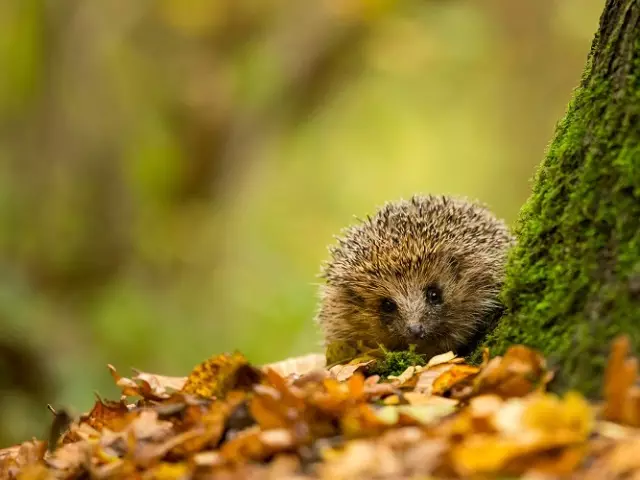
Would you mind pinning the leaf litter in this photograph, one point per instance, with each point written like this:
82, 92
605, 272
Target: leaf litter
303, 418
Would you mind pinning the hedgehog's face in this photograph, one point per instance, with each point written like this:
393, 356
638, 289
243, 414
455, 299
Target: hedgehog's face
436, 304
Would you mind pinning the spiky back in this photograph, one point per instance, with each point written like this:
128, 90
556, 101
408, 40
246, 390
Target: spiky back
401, 234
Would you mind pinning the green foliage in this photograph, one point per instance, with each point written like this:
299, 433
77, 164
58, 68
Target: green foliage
396, 362
573, 281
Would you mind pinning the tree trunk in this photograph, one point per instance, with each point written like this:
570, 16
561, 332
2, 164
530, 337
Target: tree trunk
573, 281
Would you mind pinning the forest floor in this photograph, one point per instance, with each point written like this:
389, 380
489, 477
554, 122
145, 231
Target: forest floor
298, 419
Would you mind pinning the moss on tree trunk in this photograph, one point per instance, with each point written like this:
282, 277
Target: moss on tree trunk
573, 281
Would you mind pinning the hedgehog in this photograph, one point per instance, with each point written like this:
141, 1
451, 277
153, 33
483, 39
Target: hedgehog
422, 274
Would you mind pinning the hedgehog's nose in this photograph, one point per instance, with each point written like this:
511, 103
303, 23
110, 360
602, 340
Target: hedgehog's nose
416, 331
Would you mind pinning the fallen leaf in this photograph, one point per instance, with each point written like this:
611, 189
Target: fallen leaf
160, 385
622, 397
426, 378
427, 413
391, 400
104, 414
208, 459
168, 471
147, 426
444, 420
624, 457
147, 385
254, 444
212, 420
404, 380
344, 372
440, 359
518, 373
221, 374
361, 459
452, 376
416, 398
345, 352
298, 366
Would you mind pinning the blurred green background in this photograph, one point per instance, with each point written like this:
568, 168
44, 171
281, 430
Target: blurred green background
172, 171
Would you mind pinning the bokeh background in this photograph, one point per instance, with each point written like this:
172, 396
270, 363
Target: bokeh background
171, 171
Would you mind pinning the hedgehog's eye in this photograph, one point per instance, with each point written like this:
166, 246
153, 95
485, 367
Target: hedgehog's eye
388, 306
433, 294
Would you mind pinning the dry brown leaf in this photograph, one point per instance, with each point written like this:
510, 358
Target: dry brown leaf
147, 385
234, 421
71, 458
625, 457
268, 409
212, 419
104, 414
25, 457
254, 444
362, 459
147, 454
344, 372
426, 378
34, 472
518, 373
160, 384
298, 366
146, 426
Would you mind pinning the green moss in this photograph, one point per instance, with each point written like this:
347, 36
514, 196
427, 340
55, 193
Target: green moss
573, 281
394, 363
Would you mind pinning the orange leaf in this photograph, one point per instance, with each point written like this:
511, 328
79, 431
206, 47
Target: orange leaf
253, 444
622, 398
111, 415
516, 374
455, 374
268, 409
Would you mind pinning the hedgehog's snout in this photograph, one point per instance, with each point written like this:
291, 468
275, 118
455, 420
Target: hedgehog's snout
417, 331
414, 314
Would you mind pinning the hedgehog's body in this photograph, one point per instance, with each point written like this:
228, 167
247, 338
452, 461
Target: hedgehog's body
425, 272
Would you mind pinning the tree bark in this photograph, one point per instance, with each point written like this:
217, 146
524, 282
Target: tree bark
573, 280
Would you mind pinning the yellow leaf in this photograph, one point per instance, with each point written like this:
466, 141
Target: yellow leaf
482, 453
452, 376
169, 471
561, 420
220, 374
